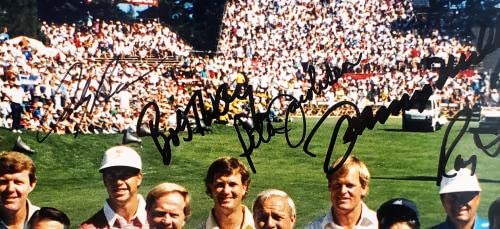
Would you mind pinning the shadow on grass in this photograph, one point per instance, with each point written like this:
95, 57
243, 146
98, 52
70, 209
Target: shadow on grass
395, 130
405, 131
426, 178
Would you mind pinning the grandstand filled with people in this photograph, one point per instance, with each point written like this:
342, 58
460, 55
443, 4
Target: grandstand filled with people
268, 44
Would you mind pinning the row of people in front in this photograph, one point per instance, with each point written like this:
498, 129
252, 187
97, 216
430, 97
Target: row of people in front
168, 205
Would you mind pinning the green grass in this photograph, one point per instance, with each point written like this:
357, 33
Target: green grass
68, 178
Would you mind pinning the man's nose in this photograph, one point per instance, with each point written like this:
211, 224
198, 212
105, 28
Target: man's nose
118, 180
167, 220
226, 189
460, 203
10, 187
343, 189
270, 223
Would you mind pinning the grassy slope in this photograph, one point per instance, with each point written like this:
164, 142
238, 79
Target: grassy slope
68, 177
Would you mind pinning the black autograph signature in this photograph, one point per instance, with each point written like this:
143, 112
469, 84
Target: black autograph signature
258, 128
262, 130
86, 98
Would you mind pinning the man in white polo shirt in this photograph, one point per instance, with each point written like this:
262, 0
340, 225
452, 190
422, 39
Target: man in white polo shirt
16, 95
125, 208
348, 186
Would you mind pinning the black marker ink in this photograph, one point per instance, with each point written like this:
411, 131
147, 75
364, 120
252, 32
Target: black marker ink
85, 99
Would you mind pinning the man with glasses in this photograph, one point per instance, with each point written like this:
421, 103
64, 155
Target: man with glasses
121, 170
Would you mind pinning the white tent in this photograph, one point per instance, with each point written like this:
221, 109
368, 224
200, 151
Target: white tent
51, 52
33, 43
37, 45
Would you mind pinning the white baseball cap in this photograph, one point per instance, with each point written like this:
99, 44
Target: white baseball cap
463, 181
121, 156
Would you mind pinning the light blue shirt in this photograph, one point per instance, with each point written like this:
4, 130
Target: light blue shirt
480, 223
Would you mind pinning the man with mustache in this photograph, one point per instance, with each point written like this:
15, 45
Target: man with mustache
227, 183
17, 180
121, 170
348, 186
460, 198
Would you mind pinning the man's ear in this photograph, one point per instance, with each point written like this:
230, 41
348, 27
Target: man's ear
245, 187
293, 218
364, 191
32, 186
139, 179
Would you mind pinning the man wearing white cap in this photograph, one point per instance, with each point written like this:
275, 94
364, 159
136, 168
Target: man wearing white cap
125, 208
460, 199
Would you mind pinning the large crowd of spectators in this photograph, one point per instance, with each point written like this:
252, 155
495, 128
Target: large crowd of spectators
278, 39
269, 44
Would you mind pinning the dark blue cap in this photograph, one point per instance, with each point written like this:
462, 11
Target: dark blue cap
397, 210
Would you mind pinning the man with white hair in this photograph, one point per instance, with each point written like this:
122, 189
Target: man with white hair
459, 192
121, 170
274, 209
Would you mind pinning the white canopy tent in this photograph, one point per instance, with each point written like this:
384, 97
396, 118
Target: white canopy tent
37, 45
